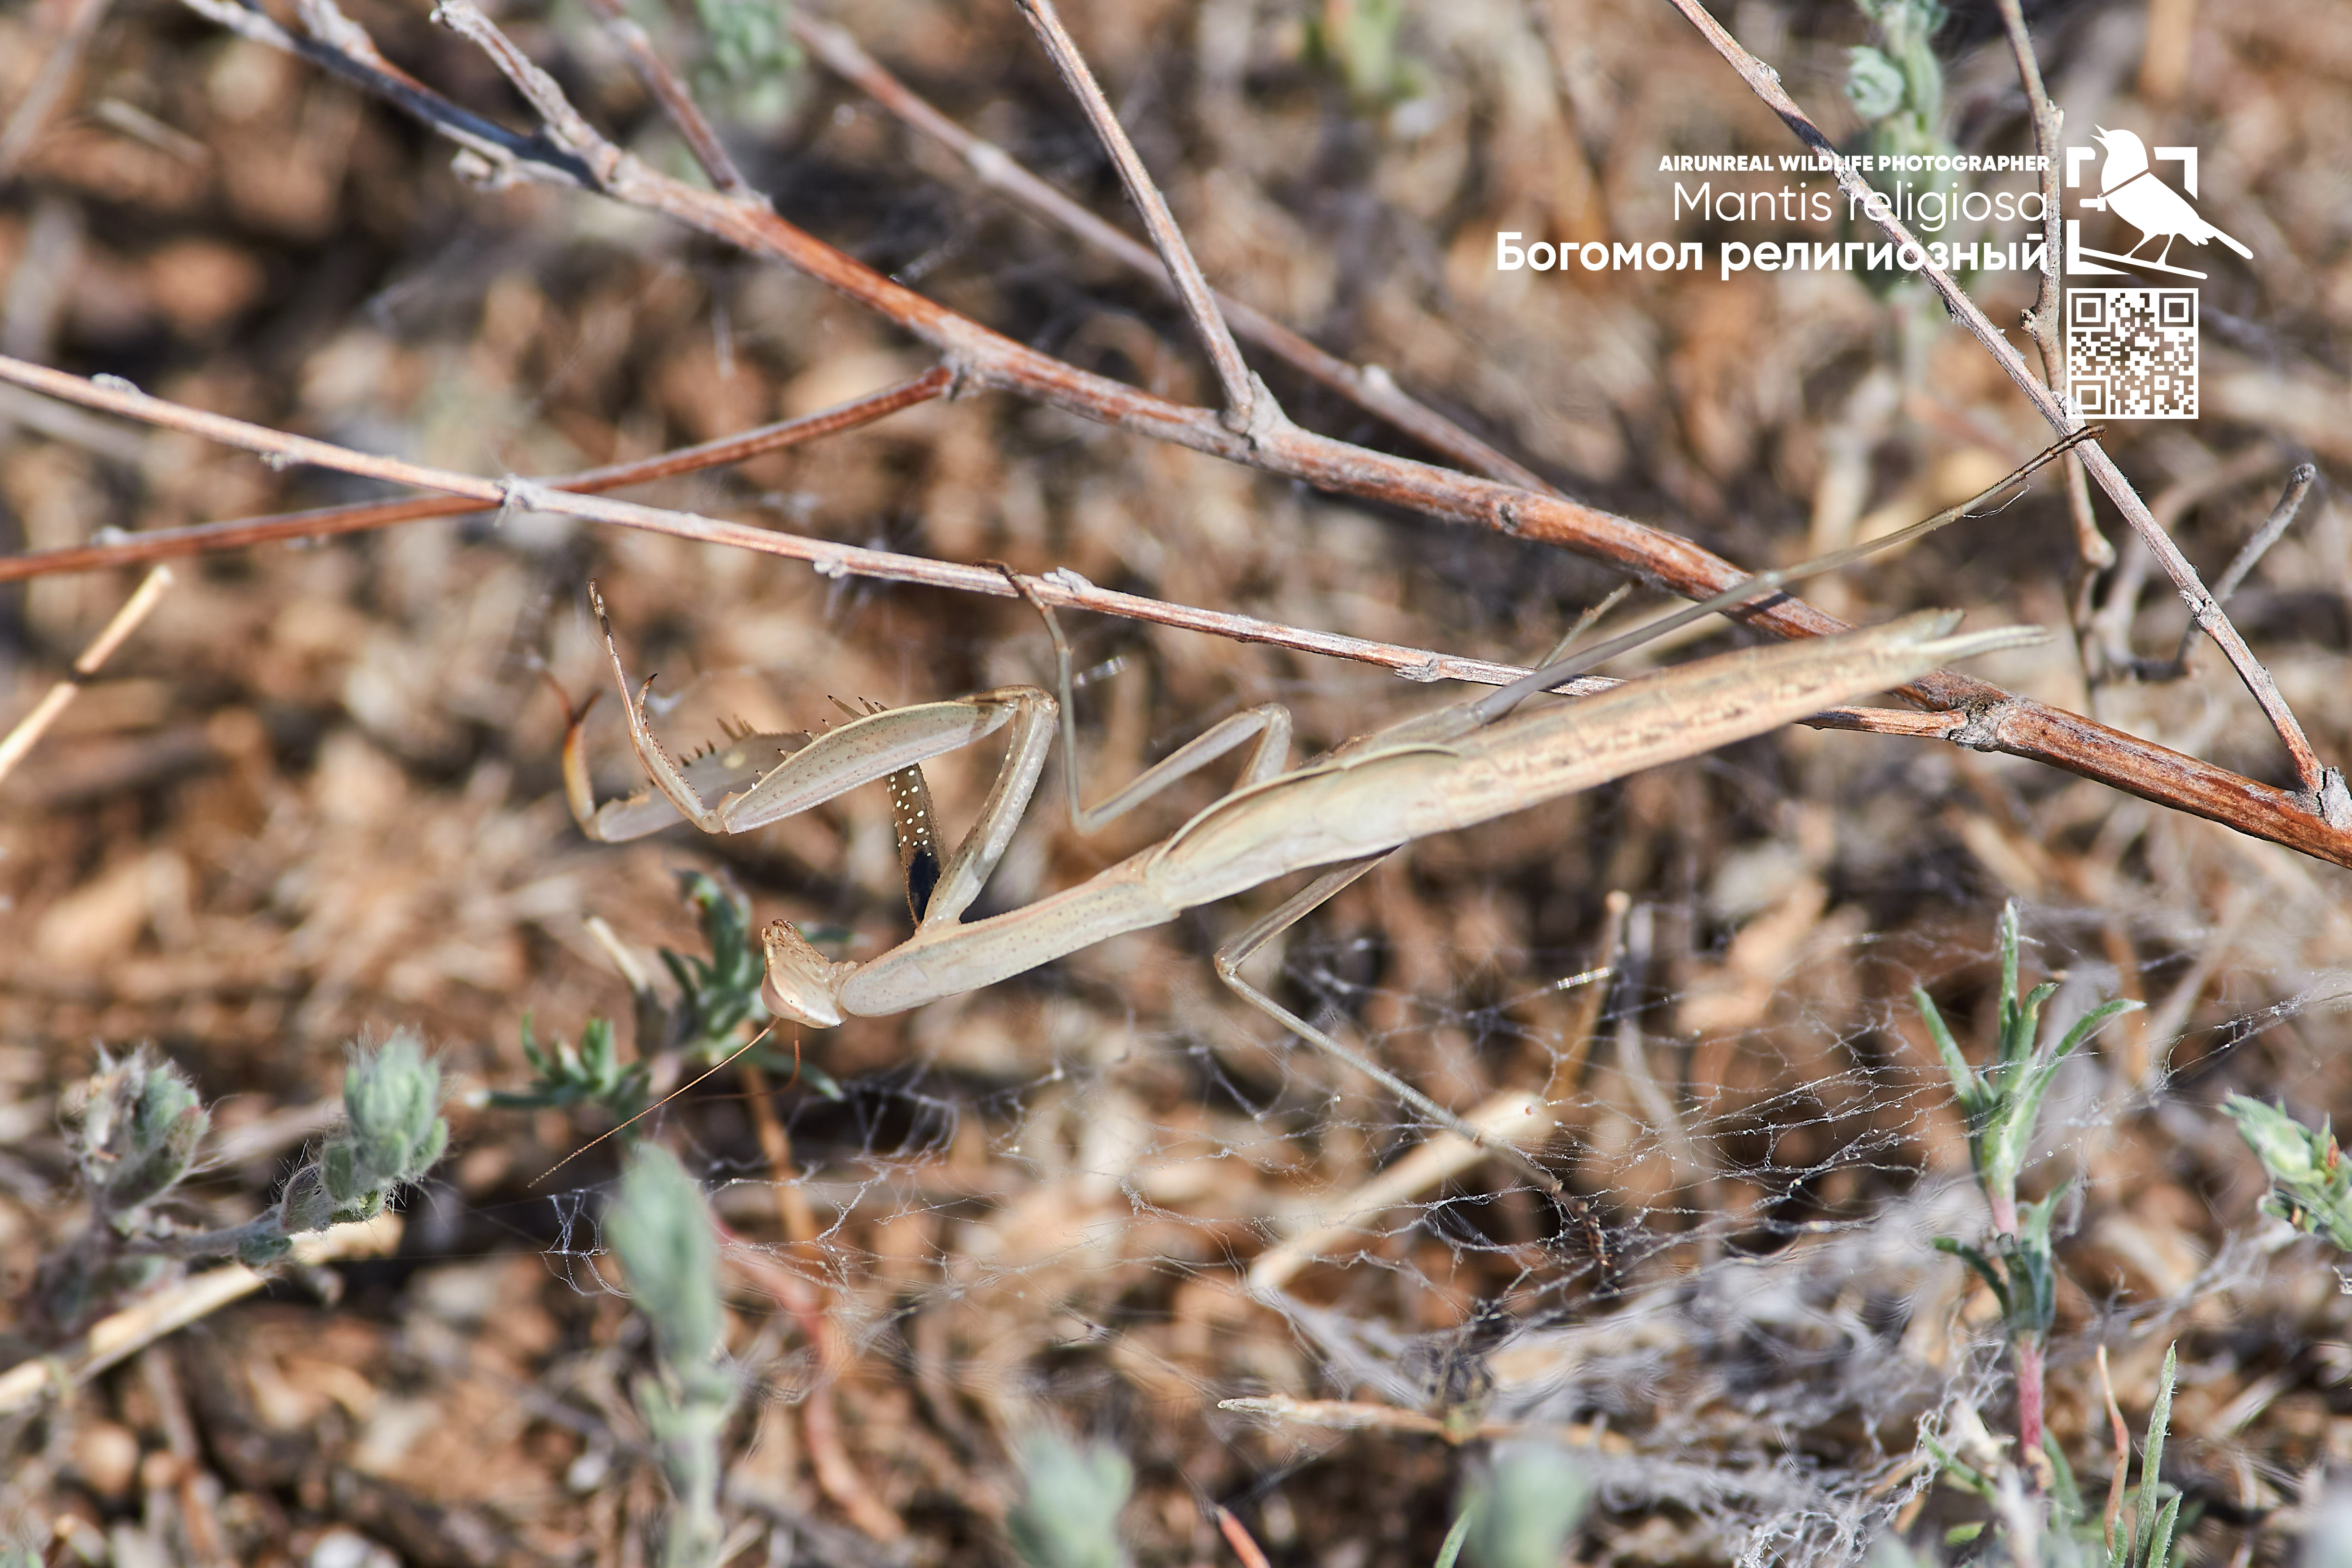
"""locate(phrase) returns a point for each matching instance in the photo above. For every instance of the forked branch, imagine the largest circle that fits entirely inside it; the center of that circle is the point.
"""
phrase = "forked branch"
(470, 493)
(1369, 387)
(329, 522)
(1989, 717)
(2323, 788)
(1241, 398)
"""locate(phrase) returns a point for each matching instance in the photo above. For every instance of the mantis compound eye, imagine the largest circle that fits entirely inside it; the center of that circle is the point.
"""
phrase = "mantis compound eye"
(802, 982)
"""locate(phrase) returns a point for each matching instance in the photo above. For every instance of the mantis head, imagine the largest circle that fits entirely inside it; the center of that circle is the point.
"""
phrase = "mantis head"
(803, 984)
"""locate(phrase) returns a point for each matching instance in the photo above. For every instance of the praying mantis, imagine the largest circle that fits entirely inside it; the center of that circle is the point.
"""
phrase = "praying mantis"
(1338, 816)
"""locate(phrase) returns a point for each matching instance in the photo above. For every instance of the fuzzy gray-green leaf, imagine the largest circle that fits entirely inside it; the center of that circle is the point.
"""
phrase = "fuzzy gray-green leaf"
(1071, 1496)
(1873, 84)
(391, 1098)
(2159, 1417)
(661, 1229)
(1523, 1507)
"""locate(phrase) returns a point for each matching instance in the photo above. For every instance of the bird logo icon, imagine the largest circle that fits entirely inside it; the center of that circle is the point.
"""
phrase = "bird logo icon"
(2130, 189)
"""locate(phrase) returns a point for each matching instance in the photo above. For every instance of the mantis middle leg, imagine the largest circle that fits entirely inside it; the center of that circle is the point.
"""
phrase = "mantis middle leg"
(1271, 723)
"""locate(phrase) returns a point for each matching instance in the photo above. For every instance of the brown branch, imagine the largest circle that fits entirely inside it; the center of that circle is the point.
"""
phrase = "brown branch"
(1993, 718)
(2323, 788)
(164, 544)
(493, 154)
(1061, 589)
(1238, 1537)
(1242, 397)
(471, 493)
(671, 93)
(1369, 387)
(2040, 322)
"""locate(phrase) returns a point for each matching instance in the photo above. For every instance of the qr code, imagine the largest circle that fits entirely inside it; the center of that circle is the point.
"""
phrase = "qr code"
(2131, 353)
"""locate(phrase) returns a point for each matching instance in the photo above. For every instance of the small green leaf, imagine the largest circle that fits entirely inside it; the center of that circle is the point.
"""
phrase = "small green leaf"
(1523, 1505)
(1873, 84)
(1965, 1087)
(2091, 1023)
(2159, 1552)
(2146, 1515)
(1452, 1549)
(2064, 1494)
(660, 1227)
(1951, 1468)
(1981, 1263)
(1071, 1498)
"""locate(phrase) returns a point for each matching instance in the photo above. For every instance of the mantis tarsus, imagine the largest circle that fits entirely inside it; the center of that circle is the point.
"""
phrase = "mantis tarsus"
(1338, 816)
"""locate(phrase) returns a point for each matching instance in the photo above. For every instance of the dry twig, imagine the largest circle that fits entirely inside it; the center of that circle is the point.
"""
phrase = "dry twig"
(676, 103)
(81, 18)
(135, 1327)
(2323, 790)
(2041, 322)
(1060, 589)
(329, 522)
(1369, 387)
(1243, 412)
(2250, 554)
(2107, 635)
(28, 730)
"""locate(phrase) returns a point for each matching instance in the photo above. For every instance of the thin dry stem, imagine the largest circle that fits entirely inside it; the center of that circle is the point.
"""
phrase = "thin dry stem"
(671, 93)
(836, 1475)
(1243, 396)
(121, 549)
(1064, 589)
(126, 1333)
(792, 1211)
(32, 112)
(1245, 1547)
(20, 740)
(2109, 631)
(2282, 517)
(2322, 790)
(1519, 1118)
(1369, 387)
(2041, 322)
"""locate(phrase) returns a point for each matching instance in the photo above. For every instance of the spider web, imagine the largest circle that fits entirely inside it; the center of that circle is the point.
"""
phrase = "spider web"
(1741, 1341)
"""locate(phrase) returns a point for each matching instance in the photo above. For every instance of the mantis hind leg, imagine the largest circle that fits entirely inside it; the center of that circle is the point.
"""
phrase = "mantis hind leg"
(1237, 952)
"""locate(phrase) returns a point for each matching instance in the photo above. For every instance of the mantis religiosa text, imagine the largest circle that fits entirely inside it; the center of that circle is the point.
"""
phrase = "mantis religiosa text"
(1338, 816)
